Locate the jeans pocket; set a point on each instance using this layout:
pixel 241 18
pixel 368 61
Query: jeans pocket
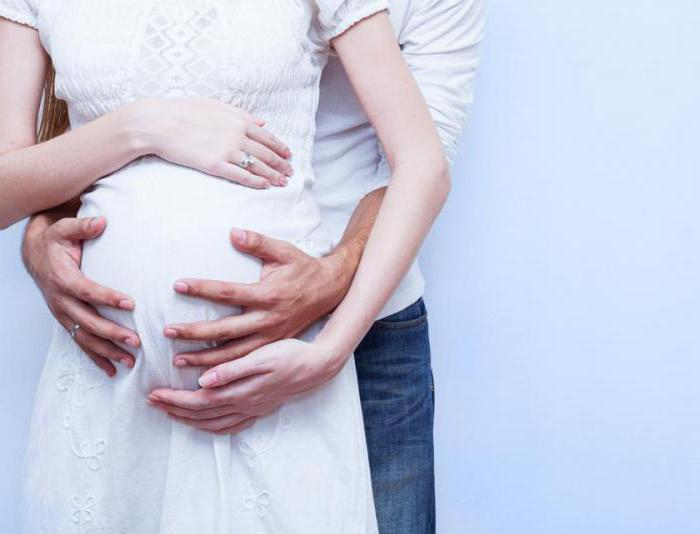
pixel 414 315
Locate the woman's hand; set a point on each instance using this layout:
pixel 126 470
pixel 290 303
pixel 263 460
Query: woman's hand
pixel 236 393
pixel 213 137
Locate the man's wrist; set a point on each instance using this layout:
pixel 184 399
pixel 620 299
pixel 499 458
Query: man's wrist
pixel 341 265
pixel 35 228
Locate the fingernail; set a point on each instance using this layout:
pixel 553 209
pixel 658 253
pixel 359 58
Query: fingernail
pixel 170 332
pixel 208 379
pixel 181 287
pixel 239 235
pixel 180 362
pixel 92 223
pixel 267 185
pixel 290 171
pixel 131 342
pixel 128 362
pixel 283 181
pixel 288 153
pixel 125 304
pixel 154 398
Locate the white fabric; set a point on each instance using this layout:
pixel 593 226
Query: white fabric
pixel 440 42
pixel 100 459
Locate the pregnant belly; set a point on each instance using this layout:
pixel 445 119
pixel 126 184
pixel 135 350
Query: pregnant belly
pixel 166 222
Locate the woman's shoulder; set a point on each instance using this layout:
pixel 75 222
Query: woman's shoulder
pixel 334 17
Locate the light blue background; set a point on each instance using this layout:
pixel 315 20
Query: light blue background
pixel 563 282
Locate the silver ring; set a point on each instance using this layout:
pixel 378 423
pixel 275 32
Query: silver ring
pixel 74 330
pixel 247 161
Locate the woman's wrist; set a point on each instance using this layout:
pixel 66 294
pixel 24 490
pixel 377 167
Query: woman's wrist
pixel 140 125
pixel 333 351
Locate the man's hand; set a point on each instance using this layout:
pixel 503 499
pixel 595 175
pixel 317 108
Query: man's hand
pixel 235 394
pixel 295 290
pixel 52 255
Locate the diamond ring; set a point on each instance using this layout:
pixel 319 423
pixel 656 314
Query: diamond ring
pixel 247 161
pixel 74 330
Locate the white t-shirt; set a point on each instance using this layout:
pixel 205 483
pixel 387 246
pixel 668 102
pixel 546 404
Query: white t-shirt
pixel 440 42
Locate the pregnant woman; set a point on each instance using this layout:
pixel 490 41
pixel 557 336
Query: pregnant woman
pixel 158 145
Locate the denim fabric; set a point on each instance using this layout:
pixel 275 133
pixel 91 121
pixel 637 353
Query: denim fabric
pixel 397 392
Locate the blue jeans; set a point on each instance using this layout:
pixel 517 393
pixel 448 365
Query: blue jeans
pixel 398 400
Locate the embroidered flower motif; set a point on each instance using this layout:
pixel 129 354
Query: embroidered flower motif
pixel 78 376
pixel 82 510
pixel 257 501
pixel 90 451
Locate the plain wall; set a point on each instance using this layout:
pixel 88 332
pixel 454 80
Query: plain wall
pixel 563 283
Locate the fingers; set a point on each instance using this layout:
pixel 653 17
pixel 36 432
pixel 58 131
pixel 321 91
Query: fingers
pixel 224 292
pixel 268 157
pixel 217 330
pixel 90 321
pixel 230 372
pixel 263 247
pixel 202 399
pixel 233 173
pixel 74 229
pixel 224 425
pixel 91 292
pixel 269 140
pixel 260 168
pixel 257 120
pixel 223 353
pixel 200 415
pixel 99 350
pixel 102 363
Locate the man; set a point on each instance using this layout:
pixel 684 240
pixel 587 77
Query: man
pixel 439 39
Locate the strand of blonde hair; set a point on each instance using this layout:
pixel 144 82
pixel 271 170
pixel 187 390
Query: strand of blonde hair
pixel 54 119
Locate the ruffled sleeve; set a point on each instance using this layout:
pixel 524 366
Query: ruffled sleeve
pixel 336 16
pixel 21 11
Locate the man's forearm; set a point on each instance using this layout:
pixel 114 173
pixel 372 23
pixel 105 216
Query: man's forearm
pixel 346 256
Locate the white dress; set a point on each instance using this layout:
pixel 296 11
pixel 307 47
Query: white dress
pixel 100 459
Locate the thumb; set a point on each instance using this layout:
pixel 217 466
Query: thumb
pixel 261 246
pixel 74 229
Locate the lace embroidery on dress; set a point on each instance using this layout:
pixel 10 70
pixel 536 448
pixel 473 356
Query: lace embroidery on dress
pixel 181 54
pixel 77 377
pixel 260 496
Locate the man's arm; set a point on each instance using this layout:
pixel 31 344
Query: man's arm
pixel 440 42
pixel 295 291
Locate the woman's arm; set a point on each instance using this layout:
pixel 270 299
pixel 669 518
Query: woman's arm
pixel 36 177
pixel 420 179
pixel 200 133
pixel 418 189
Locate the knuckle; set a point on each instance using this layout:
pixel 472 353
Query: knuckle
pixel 187 331
pixel 269 296
pixel 228 292
pixel 253 239
pixel 84 293
pixel 210 399
pixel 234 397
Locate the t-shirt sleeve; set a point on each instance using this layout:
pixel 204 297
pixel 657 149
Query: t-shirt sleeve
pixel 336 16
pixel 21 11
